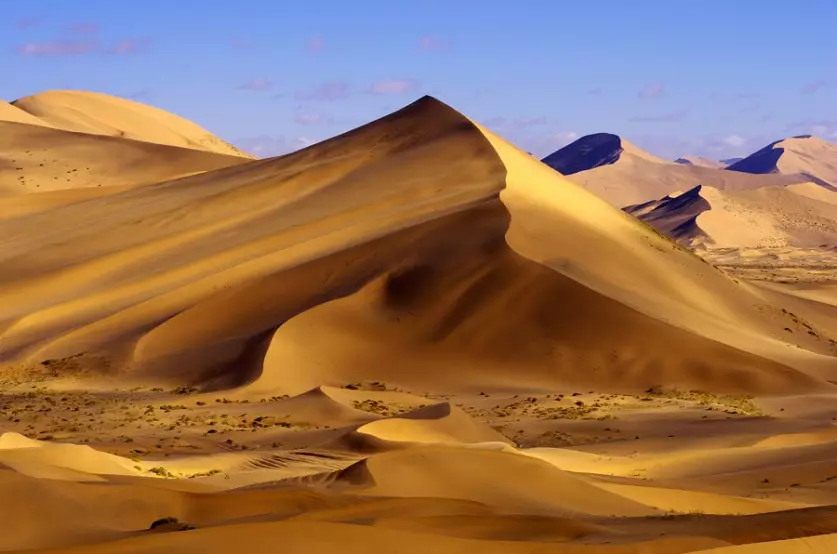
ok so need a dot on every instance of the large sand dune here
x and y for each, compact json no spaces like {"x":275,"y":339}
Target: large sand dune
{"x":622,"y":174}
{"x":804,"y":155}
{"x":355,"y":241}
{"x":349,"y":348}
{"x":101,"y":114}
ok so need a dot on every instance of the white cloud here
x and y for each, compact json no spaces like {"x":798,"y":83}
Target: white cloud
{"x":394,"y":86}
{"x":734,"y":140}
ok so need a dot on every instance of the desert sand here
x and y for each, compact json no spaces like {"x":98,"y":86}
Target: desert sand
{"x":413,"y":337}
{"x":623,"y":174}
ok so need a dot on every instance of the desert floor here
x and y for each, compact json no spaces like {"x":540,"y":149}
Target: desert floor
{"x":372,"y":465}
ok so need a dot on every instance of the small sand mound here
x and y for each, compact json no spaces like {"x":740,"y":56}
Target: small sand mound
{"x":527,"y":485}
{"x":439,"y":423}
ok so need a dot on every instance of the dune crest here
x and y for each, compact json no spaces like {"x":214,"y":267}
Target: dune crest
{"x":101,"y":114}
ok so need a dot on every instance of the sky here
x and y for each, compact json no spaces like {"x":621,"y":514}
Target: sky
{"x":716,"y":78}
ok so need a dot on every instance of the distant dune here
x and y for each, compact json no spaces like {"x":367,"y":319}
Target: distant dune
{"x":101,"y":114}
{"x":699,"y":161}
{"x":622,"y":174}
{"x":805,"y":155}
{"x":800,"y":215}
{"x":592,"y":151}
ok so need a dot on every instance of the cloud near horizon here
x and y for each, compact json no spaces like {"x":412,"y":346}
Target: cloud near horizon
{"x":257,"y":84}
{"x":433,"y":44}
{"x":265,"y":146}
{"x":325,"y":92}
{"x":811,"y":88}
{"x":129,"y":46}
{"x":651,"y":90}
{"x":75,"y":47}
{"x":394,"y":86}
{"x":662,"y":118}
{"x":316,"y":44}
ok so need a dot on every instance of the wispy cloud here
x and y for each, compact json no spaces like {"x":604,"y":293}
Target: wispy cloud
{"x":651,"y":90}
{"x":257,"y":84}
{"x":496,"y":121}
{"x":811,"y":88}
{"x":316,"y":44}
{"x":240,"y":43}
{"x":85,"y":42}
{"x":518,"y":123}
{"x":129,"y":46}
{"x":662,"y":118}
{"x":143,"y":94}
{"x":522,"y":122}
{"x":265,"y":146}
{"x":595,"y":91}
{"x":325,"y":92}
{"x":433,"y":44}
{"x":817,"y":127}
{"x":308,"y":118}
{"x":395,"y":86}
{"x":27,"y":22}
{"x":58,"y":48}
{"x":734,"y":140}
{"x":84,"y":28}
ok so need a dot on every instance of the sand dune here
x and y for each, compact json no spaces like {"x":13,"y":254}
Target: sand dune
{"x":101,"y":114}
{"x":804,"y":155}
{"x":699,"y":161}
{"x":280,"y":252}
{"x":344,"y":349}
{"x":801,"y":215}
{"x":622,"y":174}
{"x":36,"y":158}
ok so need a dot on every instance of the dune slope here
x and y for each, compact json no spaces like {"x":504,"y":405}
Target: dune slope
{"x":37,"y":158}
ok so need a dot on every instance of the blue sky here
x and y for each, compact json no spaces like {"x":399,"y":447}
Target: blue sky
{"x":713,"y":77}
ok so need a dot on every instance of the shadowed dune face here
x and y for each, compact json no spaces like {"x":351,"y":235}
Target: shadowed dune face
{"x":586,"y":153}
{"x":404,"y":271}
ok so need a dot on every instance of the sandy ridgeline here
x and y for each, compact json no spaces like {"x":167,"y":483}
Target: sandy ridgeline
{"x":409,"y":338}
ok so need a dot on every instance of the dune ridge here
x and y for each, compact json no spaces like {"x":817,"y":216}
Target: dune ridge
{"x":630,"y":176}
{"x":102,"y":114}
